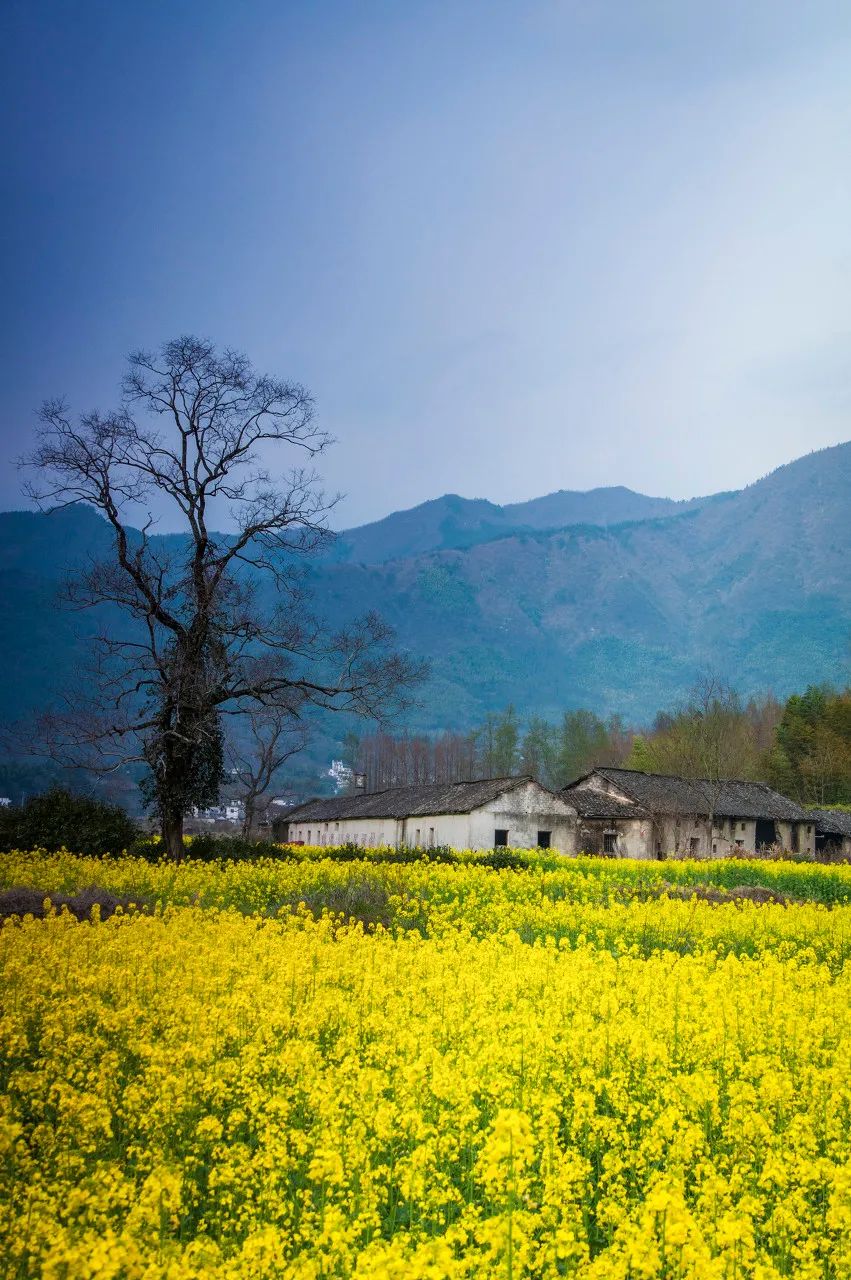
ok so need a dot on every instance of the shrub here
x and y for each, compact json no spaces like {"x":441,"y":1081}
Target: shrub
{"x":212,"y":847}
{"x":59,"y":820}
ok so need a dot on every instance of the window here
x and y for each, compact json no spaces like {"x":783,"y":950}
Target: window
{"x":417,"y":838}
{"x":743,"y":826}
{"x":500,"y":838}
{"x":740,"y":844}
{"x":714,"y":847}
{"x":431,"y":837}
{"x":610,"y":842}
{"x":694,"y":845}
{"x":544,"y":839}
{"x":308,"y":836}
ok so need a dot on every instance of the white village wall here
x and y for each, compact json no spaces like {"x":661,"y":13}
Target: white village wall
{"x":522,"y":812}
{"x":528,"y":810}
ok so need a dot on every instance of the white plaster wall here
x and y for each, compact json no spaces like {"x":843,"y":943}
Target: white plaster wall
{"x":366,"y":831}
{"x":806,"y":836}
{"x":449,"y":828}
{"x":522,"y":812}
{"x":608,"y":788}
{"x":636,"y":839}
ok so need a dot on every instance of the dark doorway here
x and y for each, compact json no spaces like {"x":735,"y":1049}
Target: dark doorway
{"x":500,"y":838}
{"x":544,"y":839}
{"x":766,"y":833}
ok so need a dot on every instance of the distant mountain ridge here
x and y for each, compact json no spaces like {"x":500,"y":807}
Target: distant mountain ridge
{"x":609,"y":599}
{"x":452,"y":522}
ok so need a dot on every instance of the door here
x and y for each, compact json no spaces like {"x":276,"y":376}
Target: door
{"x":766,"y":833}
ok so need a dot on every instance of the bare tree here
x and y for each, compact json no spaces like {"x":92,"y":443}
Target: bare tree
{"x":275,"y":734}
{"x":203,"y":645}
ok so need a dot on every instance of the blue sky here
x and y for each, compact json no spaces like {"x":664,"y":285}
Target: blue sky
{"x":509,"y":247}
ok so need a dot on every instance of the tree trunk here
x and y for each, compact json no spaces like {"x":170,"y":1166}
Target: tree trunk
{"x":172,"y":834}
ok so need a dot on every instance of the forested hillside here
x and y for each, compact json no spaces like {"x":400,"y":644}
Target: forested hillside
{"x":617,"y":617}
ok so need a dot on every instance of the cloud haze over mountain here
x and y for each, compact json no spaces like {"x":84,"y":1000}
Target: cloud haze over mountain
{"x":510,"y":248}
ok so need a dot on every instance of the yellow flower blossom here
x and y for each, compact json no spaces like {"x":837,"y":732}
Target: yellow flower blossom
{"x":527,"y":1073}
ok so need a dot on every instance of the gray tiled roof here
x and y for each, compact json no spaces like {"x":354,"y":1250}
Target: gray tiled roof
{"x":591,"y":803}
{"x":831,"y":822}
{"x":669,"y":794}
{"x":408,"y":802}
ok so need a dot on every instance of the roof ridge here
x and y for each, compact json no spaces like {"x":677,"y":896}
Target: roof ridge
{"x":681,"y":777}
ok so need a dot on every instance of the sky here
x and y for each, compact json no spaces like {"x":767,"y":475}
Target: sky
{"x":510,"y":248}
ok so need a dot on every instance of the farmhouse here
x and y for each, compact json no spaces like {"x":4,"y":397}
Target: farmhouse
{"x":833,"y":832}
{"x":628,"y":813}
{"x":466,"y":815}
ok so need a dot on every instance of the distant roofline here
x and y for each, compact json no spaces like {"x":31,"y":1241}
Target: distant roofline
{"x":672,"y":777}
{"x":505,"y":783}
{"x":612,"y":774}
{"x":409,"y":786}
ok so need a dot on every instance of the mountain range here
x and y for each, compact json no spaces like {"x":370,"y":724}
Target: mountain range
{"x":607,"y":599}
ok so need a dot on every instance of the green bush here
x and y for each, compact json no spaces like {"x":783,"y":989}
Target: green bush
{"x":56,"y":819}
{"x":215,"y":847}
{"x":211,"y":847}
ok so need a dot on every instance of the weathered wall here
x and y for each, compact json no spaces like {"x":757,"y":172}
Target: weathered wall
{"x":530,"y":809}
{"x":632,"y":837}
{"x":369,"y":831}
{"x":522,"y":812}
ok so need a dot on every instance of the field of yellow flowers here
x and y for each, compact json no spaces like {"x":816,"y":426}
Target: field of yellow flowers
{"x":464,"y":1072}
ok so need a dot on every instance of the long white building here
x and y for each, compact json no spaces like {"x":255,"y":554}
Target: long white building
{"x":615,"y":812}
{"x":465,"y":815}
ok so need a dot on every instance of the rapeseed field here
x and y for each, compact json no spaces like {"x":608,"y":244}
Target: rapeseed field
{"x":559,"y":1070}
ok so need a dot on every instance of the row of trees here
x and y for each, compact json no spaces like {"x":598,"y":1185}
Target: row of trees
{"x":810,"y":756}
{"x":802,"y":747}
{"x":503,"y":745}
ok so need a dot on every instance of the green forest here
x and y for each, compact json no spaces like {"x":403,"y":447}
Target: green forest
{"x":801,"y":747}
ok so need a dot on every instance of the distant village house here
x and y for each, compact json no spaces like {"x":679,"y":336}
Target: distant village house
{"x":466,"y":815}
{"x":627,"y":813}
{"x":833,"y":832}
{"x":610,"y":811}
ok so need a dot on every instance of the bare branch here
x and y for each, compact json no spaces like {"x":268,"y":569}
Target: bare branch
{"x":200,"y":644}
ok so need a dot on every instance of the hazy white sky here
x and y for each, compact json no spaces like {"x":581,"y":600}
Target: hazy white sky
{"x":510,"y":247}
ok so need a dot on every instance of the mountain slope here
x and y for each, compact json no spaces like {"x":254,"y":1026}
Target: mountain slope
{"x":755,"y":584}
{"x":452,"y":522}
